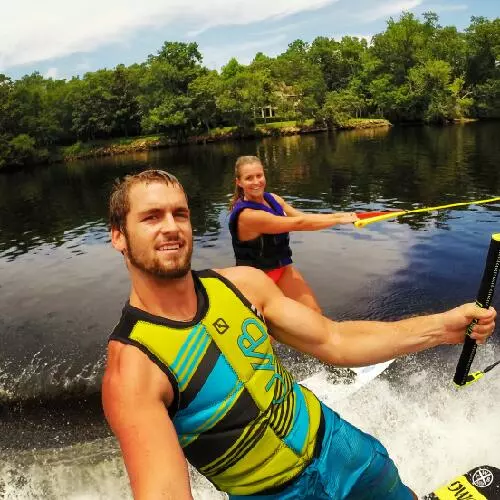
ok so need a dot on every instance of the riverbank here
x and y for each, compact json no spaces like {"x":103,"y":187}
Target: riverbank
{"x":120,"y":146}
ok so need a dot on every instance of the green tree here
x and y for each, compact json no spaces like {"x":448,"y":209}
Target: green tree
{"x":483,"y":50}
{"x":124,"y":102}
{"x":339,"y":61}
{"x":203,"y":92}
{"x":171,"y":117}
{"x":398,"y":48}
{"x":243,"y":93}
{"x":93,"y":105}
{"x":31,"y":111}
{"x":340,"y":105}
{"x":436,"y":97}
{"x":487,"y":99}
{"x":302,"y":78}
{"x":164,"y":88}
{"x":5,"y":104}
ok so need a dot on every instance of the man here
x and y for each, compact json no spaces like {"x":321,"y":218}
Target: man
{"x":191,"y":372}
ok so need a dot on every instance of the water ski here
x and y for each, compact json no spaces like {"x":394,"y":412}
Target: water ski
{"x":480,"y":483}
{"x":339,"y":391}
{"x":367,"y":373}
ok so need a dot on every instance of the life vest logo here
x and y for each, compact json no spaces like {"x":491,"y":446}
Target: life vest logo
{"x":220,"y":325}
{"x":482,"y":478}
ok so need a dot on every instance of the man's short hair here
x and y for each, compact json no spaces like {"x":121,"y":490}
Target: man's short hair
{"x":119,"y":202}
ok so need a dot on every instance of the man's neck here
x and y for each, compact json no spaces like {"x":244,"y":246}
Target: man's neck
{"x":174,"y":299}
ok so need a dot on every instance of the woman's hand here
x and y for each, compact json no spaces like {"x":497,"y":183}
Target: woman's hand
{"x":348,"y":217}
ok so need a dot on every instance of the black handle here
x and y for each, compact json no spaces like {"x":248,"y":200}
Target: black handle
{"x":484,"y":298}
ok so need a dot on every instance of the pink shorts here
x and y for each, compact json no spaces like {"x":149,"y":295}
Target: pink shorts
{"x":275,"y":274}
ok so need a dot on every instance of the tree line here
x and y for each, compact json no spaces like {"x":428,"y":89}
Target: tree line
{"x":416,"y":70}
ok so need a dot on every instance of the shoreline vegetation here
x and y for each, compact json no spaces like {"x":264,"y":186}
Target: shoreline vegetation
{"x":112,"y":147}
{"x":416,"y":71}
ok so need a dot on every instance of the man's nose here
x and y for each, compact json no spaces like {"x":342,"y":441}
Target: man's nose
{"x":169,"y":224}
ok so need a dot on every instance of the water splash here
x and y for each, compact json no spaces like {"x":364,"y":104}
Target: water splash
{"x":41,"y":378}
{"x":432,"y":431}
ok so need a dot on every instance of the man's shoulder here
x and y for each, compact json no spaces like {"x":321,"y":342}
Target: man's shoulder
{"x":122,"y":362}
{"x":125,"y":324}
{"x":251,"y":282}
{"x":240,"y":274}
{"x":131,"y":378}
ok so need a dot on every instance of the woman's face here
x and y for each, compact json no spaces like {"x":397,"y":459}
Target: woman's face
{"x":252,"y":180}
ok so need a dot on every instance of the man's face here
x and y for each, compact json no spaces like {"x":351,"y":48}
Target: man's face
{"x":158,"y":237}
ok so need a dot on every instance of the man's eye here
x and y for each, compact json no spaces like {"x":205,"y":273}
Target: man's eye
{"x":151,"y":217}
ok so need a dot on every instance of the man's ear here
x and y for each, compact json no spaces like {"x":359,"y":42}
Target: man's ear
{"x":118,"y":240}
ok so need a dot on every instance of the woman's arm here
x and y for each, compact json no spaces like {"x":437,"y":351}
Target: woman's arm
{"x":287,"y":208}
{"x":343,"y":217}
{"x":252,"y":223}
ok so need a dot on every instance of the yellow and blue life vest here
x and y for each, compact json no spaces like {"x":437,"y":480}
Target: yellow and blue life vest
{"x":241,"y":419}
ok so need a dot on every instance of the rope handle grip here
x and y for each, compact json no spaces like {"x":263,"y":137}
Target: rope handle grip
{"x":484,"y":299}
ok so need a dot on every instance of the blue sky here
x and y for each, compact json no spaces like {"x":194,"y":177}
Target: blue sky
{"x":60,"y":40}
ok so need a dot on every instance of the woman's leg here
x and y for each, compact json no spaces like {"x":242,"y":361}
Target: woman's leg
{"x":293,"y":285}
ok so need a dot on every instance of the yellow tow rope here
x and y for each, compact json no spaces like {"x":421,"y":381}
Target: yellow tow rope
{"x":394,"y":214}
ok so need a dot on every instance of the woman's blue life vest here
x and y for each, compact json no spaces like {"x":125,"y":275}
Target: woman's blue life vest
{"x":267,"y":251}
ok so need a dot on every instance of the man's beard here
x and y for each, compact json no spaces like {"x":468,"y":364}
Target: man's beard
{"x":155,"y":267}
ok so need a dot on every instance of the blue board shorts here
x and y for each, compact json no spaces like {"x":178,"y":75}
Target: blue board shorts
{"x":351,"y":465}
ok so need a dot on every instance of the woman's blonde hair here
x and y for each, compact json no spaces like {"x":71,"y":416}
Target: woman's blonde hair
{"x":241,"y":161}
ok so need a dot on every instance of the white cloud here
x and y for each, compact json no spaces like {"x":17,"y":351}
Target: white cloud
{"x":216,"y":56}
{"x":83,"y":66}
{"x":286,"y":28}
{"x":34,"y":30}
{"x":387,"y":9}
{"x":240,"y":12}
{"x":339,"y":37}
{"x":51,"y":73}
{"x":445,"y":8}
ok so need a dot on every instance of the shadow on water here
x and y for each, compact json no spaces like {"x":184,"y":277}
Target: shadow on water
{"x":52,"y":423}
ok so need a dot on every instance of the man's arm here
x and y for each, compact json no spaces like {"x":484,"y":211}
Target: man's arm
{"x":134,"y":393}
{"x":355,"y":343}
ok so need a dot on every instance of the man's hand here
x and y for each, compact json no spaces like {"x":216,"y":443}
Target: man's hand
{"x":456,"y":321}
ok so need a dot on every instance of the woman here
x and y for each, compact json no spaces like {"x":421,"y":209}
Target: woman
{"x":259,"y":226}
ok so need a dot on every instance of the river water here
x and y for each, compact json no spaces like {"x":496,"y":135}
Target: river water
{"x":62,"y":287}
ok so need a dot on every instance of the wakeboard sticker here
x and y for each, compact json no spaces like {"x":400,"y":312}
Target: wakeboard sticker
{"x":480,"y":483}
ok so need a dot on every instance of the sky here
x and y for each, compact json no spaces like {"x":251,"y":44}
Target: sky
{"x":61,"y":39}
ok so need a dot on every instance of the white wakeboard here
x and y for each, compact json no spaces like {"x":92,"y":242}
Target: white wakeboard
{"x":342,"y":390}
